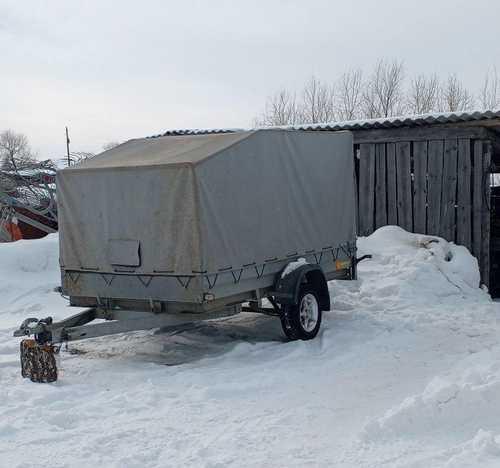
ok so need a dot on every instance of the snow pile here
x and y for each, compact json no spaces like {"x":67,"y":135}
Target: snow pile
{"x":460,"y":407}
{"x":455,"y":262}
{"x":404,"y":373}
{"x":29,"y":273}
{"x":483,"y":450}
{"x":24,"y":260}
{"x":446,"y":404}
{"x":429,"y":265}
{"x":410,"y":273}
{"x":292,"y":266}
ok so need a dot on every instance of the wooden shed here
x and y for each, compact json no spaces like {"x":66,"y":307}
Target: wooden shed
{"x":430,"y":174}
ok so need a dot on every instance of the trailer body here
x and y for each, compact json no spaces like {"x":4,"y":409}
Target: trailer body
{"x":196,"y":223}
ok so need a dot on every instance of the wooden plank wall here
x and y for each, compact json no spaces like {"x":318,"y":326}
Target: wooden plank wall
{"x":392,"y":188}
{"x":366,"y":186}
{"x":436,"y":187}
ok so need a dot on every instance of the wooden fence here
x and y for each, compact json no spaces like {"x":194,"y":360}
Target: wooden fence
{"x":430,"y":186}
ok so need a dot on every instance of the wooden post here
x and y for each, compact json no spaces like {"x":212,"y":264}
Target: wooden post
{"x":380,"y":186}
{"x":477,"y":199}
{"x":392,"y":186}
{"x":403,"y":169}
{"x":434,"y":184}
{"x":464,"y":194}
{"x":485,"y":215}
{"x":366,"y":188}
{"x":420,"y":186}
{"x":447,"y":228}
{"x":67,"y":147}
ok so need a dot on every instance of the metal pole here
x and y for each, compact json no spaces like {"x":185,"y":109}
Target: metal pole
{"x":67,"y":147}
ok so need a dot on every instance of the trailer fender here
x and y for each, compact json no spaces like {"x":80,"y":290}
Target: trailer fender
{"x":287,"y":287}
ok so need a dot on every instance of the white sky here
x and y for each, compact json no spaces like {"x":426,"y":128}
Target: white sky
{"x":123,"y":69}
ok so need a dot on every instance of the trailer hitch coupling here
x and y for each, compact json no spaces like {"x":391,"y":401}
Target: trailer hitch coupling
{"x":37,"y":327}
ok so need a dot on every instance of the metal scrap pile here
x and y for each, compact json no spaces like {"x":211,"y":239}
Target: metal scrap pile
{"x":28,"y":206}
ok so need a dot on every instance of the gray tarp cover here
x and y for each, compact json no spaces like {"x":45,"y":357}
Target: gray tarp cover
{"x":184,"y":204}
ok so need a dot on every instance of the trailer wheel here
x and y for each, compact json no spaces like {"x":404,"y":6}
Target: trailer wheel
{"x":303,"y":320}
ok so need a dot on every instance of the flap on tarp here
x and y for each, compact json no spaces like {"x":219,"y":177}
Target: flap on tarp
{"x":124,"y":252}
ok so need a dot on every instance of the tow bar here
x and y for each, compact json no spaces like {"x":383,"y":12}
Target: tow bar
{"x":38,"y":353}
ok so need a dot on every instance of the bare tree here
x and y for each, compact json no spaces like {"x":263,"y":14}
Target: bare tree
{"x":348,"y":98}
{"x":110,"y":145}
{"x":281,"y":109}
{"x":384,"y":95}
{"x":15,"y":152}
{"x":490,"y":91}
{"x":455,"y":96}
{"x":317,"y":102}
{"x":423,"y":95}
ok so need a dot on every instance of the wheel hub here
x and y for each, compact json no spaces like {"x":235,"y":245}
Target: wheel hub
{"x":309,"y":312}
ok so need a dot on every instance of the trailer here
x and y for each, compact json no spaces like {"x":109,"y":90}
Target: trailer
{"x":162,"y":231}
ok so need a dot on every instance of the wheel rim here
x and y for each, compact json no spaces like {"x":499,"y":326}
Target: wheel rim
{"x":309,"y":312}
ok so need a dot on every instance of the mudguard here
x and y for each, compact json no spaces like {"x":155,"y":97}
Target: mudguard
{"x":286,"y":287}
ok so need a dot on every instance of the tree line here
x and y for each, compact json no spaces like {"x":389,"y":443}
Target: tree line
{"x":385,"y":91}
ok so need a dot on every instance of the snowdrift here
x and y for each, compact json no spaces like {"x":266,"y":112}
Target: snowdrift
{"x":409,"y":274}
{"x":427,"y":267}
{"x":29,"y":274}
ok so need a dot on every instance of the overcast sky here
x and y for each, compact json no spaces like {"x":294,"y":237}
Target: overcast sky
{"x":124,"y":69}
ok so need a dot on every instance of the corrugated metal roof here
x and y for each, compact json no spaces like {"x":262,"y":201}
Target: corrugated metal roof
{"x":367,"y":124}
{"x":199,"y":131}
{"x":404,"y":121}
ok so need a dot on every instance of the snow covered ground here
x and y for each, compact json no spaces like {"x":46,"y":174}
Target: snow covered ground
{"x":405,"y":373}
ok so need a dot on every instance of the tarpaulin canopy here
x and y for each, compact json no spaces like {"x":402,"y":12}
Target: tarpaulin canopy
{"x":206,"y":203}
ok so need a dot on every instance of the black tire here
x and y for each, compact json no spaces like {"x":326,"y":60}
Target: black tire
{"x":291,"y":322}
{"x":354,"y":269}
